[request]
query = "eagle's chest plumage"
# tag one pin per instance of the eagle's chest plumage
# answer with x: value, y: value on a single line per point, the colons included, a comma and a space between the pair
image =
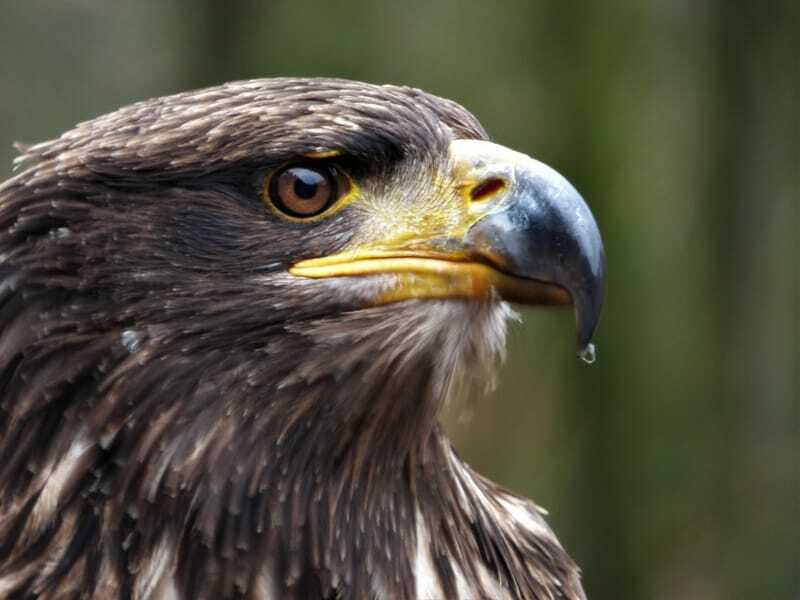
x: 510, y: 526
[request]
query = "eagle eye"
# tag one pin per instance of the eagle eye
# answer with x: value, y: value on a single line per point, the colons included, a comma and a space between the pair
x: 303, y: 190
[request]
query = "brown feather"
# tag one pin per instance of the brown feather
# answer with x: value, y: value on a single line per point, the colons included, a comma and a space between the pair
x: 180, y: 416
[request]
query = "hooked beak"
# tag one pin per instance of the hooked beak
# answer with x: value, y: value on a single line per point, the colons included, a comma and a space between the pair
x: 526, y: 234
x: 541, y: 230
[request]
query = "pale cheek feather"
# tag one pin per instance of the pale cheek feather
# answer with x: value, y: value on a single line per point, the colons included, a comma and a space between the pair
x: 522, y: 517
x: 48, y: 502
x: 468, y: 338
x: 156, y: 579
x: 379, y: 591
x: 427, y: 583
x: 167, y: 590
x: 108, y: 581
x: 9, y: 583
x: 56, y: 550
x: 264, y: 587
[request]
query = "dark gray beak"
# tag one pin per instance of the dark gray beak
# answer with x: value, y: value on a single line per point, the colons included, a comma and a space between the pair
x: 540, y: 228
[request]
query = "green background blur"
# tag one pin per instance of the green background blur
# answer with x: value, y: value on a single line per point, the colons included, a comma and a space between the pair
x: 670, y: 467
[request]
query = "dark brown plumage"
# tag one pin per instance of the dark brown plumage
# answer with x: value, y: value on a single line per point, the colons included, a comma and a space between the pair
x: 184, y: 417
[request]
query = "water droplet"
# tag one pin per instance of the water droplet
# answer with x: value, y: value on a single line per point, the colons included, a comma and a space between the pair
x: 587, y: 354
x: 131, y: 340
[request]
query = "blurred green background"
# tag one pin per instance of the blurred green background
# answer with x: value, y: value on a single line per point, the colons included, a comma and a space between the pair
x: 670, y: 467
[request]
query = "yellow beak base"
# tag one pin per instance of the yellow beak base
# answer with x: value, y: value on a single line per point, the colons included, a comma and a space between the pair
x: 419, y: 276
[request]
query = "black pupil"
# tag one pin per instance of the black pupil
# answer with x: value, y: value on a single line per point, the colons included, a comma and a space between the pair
x: 307, y: 182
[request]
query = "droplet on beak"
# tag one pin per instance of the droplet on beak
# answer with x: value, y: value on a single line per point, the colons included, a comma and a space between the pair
x: 587, y: 354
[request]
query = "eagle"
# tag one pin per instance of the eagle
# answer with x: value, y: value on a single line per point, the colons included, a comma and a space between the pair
x: 229, y: 321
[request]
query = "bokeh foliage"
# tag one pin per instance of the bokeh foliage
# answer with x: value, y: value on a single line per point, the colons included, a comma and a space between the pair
x: 670, y: 467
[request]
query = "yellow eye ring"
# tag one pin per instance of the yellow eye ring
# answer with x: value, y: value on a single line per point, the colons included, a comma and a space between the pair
x: 305, y: 191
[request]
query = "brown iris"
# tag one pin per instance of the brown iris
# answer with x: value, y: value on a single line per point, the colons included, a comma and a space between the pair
x: 304, y: 190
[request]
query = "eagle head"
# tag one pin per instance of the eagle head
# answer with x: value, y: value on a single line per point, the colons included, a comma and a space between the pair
x: 228, y: 321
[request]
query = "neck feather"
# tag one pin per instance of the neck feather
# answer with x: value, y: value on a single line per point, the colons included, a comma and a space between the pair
x: 327, y: 477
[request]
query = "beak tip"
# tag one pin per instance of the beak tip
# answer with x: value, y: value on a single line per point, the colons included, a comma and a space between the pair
x: 545, y: 231
x: 588, y: 298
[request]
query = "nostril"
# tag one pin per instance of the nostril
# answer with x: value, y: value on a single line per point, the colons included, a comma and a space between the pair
x: 487, y: 188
